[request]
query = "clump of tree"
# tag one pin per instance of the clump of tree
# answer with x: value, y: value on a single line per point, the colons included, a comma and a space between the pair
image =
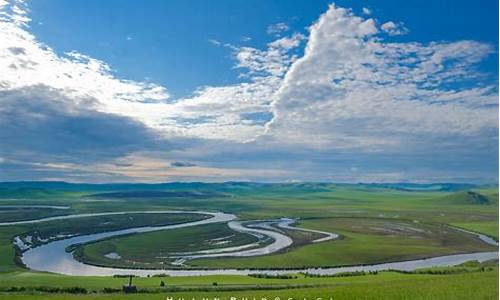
x: 108, y: 290
x: 273, y: 276
x: 48, y: 289
x: 161, y: 275
x: 123, y: 276
x: 445, y: 271
x: 342, y: 274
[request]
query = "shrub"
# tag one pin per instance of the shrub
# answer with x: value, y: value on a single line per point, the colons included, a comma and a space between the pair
x: 270, y: 276
x: 108, y: 290
x: 76, y: 290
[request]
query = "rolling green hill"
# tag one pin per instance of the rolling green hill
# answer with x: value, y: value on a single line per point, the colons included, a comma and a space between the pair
x: 468, y: 197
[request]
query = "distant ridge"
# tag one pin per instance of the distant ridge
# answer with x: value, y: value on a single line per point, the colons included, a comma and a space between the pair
x: 316, y: 186
x: 467, y: 197
x: 157, y: 194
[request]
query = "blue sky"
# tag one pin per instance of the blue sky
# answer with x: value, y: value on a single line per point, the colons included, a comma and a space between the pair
x: 147, y: 41
x: 249, y: 90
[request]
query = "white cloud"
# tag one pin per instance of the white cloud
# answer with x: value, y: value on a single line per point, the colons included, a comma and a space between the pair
x: 27, y: 62
x: 146, y: 168
x: 353, y: 90
x: 348, y: 76
x: 216, y: 111
x: 366, y: 11
x: 278, y: 28
x: 31, y: 63
x: 214, y: 42
x: 275, y: 60
x: 393, y: 29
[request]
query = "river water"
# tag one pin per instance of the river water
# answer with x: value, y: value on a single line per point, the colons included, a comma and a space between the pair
x: 52, y: 257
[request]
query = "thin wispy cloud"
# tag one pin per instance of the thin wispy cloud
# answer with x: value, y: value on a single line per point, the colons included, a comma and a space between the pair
x: 366, y: 11
x: 278, y: 28
x: 393, y: 29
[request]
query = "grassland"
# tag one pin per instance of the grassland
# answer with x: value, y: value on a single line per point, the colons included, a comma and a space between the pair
x: 377, y: 223
x: 487, y: 227
x: 10, y: 214
x: 159, y: 245
x: 385, y: 285
x: 363, y: 241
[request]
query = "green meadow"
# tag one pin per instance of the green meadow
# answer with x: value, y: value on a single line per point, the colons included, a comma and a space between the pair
x: 376, y: 223
x: 385, y: 285
x: 158, y: 245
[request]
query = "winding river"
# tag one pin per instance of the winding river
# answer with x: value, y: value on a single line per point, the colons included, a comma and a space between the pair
x: 280, y: 241
x: 35, y: 206
x: 52, y: 257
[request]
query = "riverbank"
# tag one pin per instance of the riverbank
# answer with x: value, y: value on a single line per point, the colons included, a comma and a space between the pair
x: 54, y: 257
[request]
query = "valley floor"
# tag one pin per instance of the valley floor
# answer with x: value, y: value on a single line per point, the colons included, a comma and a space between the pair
x: 375, y: 224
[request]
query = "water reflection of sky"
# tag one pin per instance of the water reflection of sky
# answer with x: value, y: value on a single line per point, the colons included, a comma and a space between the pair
x: 52, y: 257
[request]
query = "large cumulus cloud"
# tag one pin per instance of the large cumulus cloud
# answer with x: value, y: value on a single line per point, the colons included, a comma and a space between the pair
x: 352, y: 89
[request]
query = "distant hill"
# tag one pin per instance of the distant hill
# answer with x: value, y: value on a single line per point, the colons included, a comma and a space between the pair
x: 467, y: 197
x: 158, y: 194
x: 423, y: 187
x: 43, y: 187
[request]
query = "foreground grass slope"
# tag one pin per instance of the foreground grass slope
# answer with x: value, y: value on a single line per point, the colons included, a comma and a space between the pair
x: 387, y: 285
